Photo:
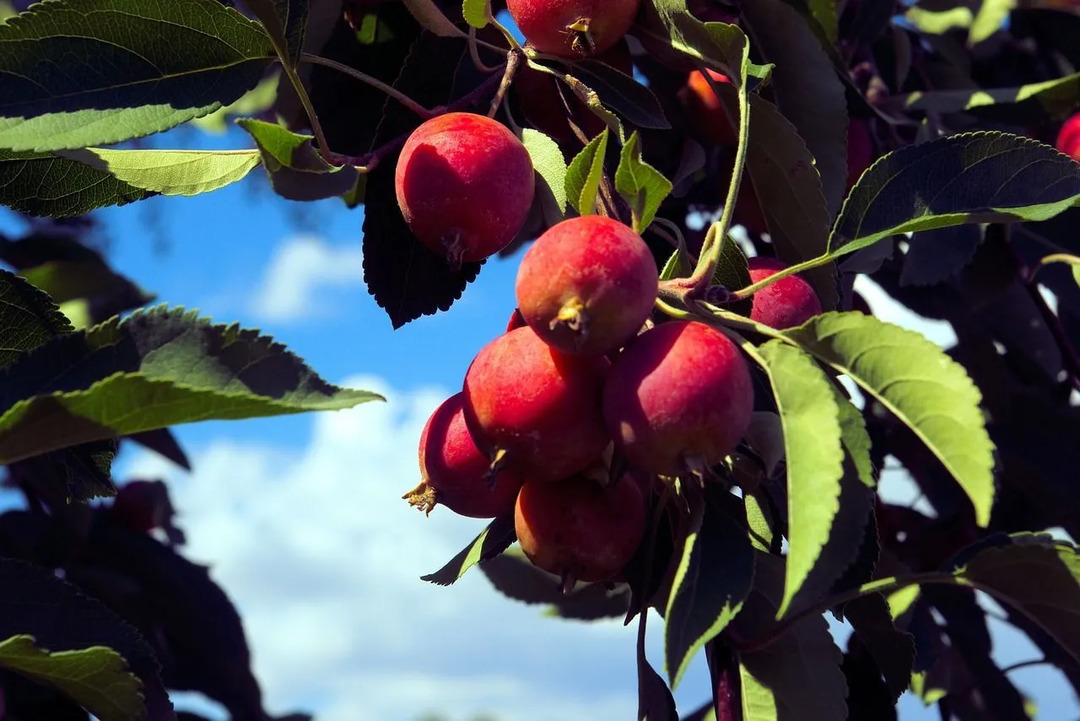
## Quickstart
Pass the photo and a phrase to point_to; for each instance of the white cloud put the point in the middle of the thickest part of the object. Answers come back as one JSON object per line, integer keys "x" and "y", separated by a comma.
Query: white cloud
{"x": 323, "y": 559}
{"x": 300, "y": 268}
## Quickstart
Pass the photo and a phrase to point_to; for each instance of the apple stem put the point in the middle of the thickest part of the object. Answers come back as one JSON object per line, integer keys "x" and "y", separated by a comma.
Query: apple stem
{"x": 373, "y": 82}
{"x": 513, "y": 62}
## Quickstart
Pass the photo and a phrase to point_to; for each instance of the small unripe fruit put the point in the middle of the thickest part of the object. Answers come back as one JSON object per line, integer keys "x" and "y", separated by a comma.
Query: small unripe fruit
{"x": 455, "y": 473}
{"x": 587, "y": 285}
{"x": 1068, "y": 139}
{"x": 678, "y": 398}
{"x": 788, "y": 302}
{"x": 578, "y": 529}
{"x": 533, "y": 409}
{"x": 464, "y": 184}
{"x": 573, "y": 28}
{"x": 704, "y": 110}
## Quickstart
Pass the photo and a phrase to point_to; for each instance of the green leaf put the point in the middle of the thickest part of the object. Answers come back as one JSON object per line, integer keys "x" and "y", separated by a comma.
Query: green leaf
{"x": 939, "y": 22}
{"x": 991, "y": 177}
{"x": 549, "y": 163}
{"x": 97, "y": 678}
{"x": 989, "y": 20}
{"x": 914, "y": 379}
{"x": 297, "y": 171}
{"x": 892, "y": 650}
{"x": 28, "y": 318}
{"x": 641, "y": 185}
{"x": 169, "y": 172}
{"x": 856, "y": 440}
{"x": 1039, "y": 577}
{"x": 156, "y": 368}
{"x": 815, "y": 459}
{"x": 1053, "y": 98}
{"x": 492, "y": 541}
{"x": 583, "y": 175}
{"x": 797, "y": 676}
{"x": 824, "y": 12}
{"x": 715, "y": 572}
{"x": 809, "y": 95}
{"x": 760, "y": 521}
{"x": 476, "y": 12}
{"x": 258, "y": 100}
{"x": 428, "y": 14}
{"x": 46, "y": 185}
{"x": 98, "y": 72}
{"x": 618, "y": 91}
{"x": 285, "y": 22}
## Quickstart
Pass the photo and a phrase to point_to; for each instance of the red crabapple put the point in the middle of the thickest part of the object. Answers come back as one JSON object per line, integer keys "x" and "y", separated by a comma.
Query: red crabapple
{"x": 534, "y": 409}
{"x": 579, "y": 529}
{"x": 453, "y": 471}
{"x": 786, "y": 303}
{"x": 1068, "y": 139}
{"x": 587, "y": 285}
{"x": 464, "y": 184}
{"x": 573, "y": 28}
{"x": 678, "y": 398}
{"x": 704, "y": 110}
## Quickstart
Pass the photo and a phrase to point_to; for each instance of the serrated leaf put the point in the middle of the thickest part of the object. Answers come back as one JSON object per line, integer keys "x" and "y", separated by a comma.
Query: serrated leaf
{"x": 655, "y": 702}
{"x": 169, "y": 172}
{"x": 924, "y": 388}
{"x": 815, "y": 459}
{"x": 618, "y": 91}
{"x": 991, "y": 177}
{"x": 154, "y": 369}
{"x": 936, "y": 255}
{"x": 715, "y": 572}
{"x": 476, "y": 12}
{"x": 759, "y": 521}
{"x": 28, "y": 318}
{"x": 797, "y": 676}
{"x": 893, "y": 650}
{"x": 492, "y": 541}
{"x": 285, "y": 22}
{"x": 549, "y": 162}
{"x": 807, "y": 91}
{"x": 297, "y": 171}
{"x": 1053, "y": 98}
{"x": 256, "y": 101}
{"x": 641, "y": 185}
{"x": 96, "y": 678}
{"x": 1039, "y": 577}
{"x": 46, "y": 185}
{"x": 824, "y": 13}
{"x": 428, "y": 14}
{"x": 583, "y": 175}
{"x": 98, "y": 72}
{"x": 514, "y": 576}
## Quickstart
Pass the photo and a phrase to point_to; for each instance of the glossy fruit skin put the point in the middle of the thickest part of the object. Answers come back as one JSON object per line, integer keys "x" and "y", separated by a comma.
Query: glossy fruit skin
{"x": 575, "y": 527}
{"x": 540, "y": 406}
{"x": 554, "y": 26}
{"x": 1068, "y": 139}
{"x": 455, "y": 473}
{"x": 464, "y": 184}
{"x": 679, "y": 392}
{"x": 704, "y": 110}
{"x": 788, "y": 302}
{"x": 587, "y": 285}
{"x": 860, "y": 150}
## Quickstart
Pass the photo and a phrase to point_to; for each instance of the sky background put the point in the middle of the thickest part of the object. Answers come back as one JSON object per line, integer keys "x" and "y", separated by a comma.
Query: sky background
{"x": 301, "y": 518}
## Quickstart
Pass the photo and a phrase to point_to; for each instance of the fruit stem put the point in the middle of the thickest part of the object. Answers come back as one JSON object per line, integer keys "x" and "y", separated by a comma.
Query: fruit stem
{"x": 474, "y": 54}
{"x": 749, "y": 290}
{"x": 513, "y": 62}
{"x": 373, "y": 82}
{"x": 309, "y": 110}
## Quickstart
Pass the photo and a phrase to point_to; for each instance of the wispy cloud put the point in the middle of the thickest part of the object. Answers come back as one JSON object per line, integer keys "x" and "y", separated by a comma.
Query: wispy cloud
{"x": 299, "y": 270}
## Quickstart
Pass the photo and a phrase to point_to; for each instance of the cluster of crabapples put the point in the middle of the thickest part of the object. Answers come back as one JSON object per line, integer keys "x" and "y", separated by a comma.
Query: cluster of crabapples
{"x": 568, "y": 418}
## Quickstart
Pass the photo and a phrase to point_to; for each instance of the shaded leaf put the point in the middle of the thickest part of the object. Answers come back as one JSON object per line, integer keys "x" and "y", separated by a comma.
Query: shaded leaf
{"x": 892, "y": 650}
{"x": 97, "y": 72}
{"x": 492, "y": 541}
{"x": 936, "y": 255}
{"x": 991, "y": 177}
{"x": 28, "y": 318}
{"x": 621, "y": 93}
{"x": 916, "y": 382}
{"x": 655, "y": 702}
{"x": 1050, "y": 98}
{"x": 808, "y": 412}
{"x": 285, "y": 22}
{"x": 641, "y": 185}
{"x": 46, "y": 185}
{"x": 96, "y": 677}
{"x": 713, "y": 576}
{"x": 257, "y": 101}
{"x": 514, "y": 576}
{"x": 164, "y": 443}
{"x": 296, "y": 170}
{"x": 583, "y": 175}
{"x": 156, "y": 368}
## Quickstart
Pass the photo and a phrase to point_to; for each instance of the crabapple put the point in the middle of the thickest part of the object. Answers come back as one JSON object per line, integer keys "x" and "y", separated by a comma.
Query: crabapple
{"x": 464, "y": 184}
{"x": 785, "y": 303}
{"x": 703, "y": 109}
{"x": 573, "y": 28}
{"x": 579, "y": 529}
{"x": 534, "y": 409}
{"x": 678, "y": 398}
{"x": 587, "y": 285}
{"x": 454, "y": 473}
{"x": 1068, "y": 139}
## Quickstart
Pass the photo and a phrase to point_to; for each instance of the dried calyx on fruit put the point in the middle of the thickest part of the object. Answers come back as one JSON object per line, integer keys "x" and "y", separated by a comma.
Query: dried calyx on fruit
{"x": 587, "y": 285}
{"x": 464, "y": 184}
{"x": 573, "y": 28}
{"x": 455, "y": 473}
